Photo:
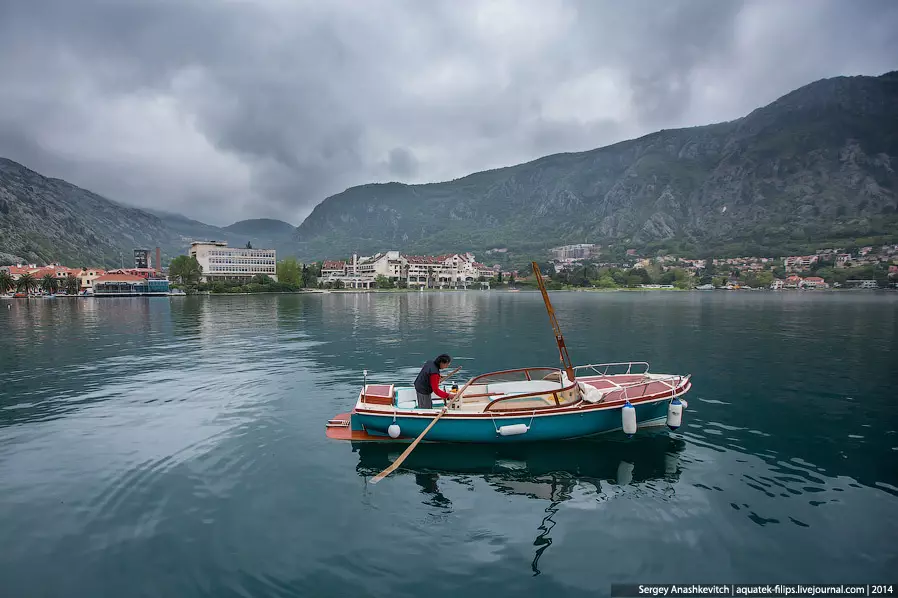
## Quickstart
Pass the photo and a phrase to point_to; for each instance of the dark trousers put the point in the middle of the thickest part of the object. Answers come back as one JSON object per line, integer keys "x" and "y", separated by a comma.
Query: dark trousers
{"x": 425, "y": 401}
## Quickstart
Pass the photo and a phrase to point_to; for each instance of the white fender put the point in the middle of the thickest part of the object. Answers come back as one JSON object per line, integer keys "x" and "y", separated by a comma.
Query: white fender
{"x": 394, "y": 431}
{"x": 674, "y": 414}
{"x": 628, "y": 418}
{"x": 513, "y": 429}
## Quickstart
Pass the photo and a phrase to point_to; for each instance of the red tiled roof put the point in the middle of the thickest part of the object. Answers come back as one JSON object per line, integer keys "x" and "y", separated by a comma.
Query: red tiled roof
{"x": 141, "y": 272}
{"x": 54, "y": 271}
{"x": 423, "y": 259}
{"x": 332, "y": 265}
{"x": 813, "y": 279}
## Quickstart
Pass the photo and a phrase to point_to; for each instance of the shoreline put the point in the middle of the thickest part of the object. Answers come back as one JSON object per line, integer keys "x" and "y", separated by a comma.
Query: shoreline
{"x": 524, "y": 290}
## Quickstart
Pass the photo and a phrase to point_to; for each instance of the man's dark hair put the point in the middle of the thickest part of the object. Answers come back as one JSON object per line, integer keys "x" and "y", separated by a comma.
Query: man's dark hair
{"x": 443, "y": 359}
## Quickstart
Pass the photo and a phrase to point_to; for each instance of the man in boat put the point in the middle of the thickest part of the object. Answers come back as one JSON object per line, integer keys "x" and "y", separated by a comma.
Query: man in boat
{"x": 428, "y": 382}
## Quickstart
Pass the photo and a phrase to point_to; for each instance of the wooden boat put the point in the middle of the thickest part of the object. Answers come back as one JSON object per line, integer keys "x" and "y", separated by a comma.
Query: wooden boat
{"x": 519, "y": 405}
{"x": 527, "y": 404}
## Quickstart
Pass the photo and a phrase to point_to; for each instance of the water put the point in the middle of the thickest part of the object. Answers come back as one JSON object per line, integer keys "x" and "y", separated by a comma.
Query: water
{"x": 175, "y": 447}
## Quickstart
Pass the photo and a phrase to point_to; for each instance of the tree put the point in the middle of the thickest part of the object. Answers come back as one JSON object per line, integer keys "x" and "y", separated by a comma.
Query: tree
{"x": 643, "y": 275}
{"x": 262, "y": 279}
{"x": 249, "y": 245}
{"x": 186, "y": 269}
{"x": 682, "y": 279}
{"x": 764, "y": 279}
{"x": 72, "y": 284}
{"x": 606, "y": 282}
{"x": 6, "y": 281}
{"x": 26, "y": 283}
{"x": 634, "y": 280}
{"x": 290, "y": 272}
{"x": 383, "y": 282}
{"x": 49, "y": 284}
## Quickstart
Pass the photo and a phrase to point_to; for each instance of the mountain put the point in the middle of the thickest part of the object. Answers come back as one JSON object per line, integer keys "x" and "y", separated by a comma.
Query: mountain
{"x": 262, "y": 227}
{"x": 817, "y": 165}
{"x": 46, "y": 220}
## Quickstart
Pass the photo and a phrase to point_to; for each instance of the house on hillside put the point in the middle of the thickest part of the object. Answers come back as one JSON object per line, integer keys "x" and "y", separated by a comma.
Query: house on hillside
{"x": 813, "y": 282}
{"x": 792, "y": 282}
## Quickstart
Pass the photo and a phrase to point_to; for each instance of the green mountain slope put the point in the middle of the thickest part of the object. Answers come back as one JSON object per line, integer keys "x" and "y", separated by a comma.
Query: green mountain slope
{"x": 817, "y": 165}
{"x": 44, "y": 220}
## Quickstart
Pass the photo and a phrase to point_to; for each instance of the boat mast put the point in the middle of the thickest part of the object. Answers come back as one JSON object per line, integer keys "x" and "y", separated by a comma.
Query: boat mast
{"x": 562, "y": 349}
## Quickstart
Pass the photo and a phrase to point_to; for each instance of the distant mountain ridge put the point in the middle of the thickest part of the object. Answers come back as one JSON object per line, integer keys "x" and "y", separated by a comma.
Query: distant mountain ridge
{"x": 818, "y": 163}
{"x": 45, "y": 220}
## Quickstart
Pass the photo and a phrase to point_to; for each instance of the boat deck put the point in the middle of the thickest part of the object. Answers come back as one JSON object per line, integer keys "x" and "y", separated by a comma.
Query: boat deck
{"x": 339, "y": 428}
{"x": 609, "y": 390}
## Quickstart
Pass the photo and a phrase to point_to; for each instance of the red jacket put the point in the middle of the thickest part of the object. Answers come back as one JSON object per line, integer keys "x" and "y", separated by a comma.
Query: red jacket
{"x": 435, "y": 385}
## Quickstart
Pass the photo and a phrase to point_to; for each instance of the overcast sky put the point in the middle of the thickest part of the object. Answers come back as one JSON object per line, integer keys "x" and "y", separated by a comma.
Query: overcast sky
{"x": 228, "y": 109}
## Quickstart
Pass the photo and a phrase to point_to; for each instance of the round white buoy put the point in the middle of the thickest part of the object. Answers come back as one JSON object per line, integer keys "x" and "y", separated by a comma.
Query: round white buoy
{"x": 628, "y": 418}
{"x": 393, "y": 431}
{"x": 675, "y": 414}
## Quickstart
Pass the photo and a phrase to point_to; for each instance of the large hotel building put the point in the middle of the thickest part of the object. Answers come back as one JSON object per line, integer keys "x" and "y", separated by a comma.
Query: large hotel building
{"x": 220, "y": 262}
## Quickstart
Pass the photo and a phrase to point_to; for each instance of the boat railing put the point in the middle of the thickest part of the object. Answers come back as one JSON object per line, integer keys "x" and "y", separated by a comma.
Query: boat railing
{"x": 630, "y": 389}
{"x": 602, "y": 368}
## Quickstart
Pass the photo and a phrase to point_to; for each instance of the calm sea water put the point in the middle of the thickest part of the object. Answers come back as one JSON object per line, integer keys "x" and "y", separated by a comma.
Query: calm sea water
{"x": 175, "y": 447}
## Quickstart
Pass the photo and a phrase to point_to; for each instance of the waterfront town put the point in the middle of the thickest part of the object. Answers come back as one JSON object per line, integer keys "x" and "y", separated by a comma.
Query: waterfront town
{"x": 213, "y": 266}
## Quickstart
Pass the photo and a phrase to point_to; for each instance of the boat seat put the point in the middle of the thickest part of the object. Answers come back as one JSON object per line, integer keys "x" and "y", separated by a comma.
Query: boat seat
{"x": 407, "y": 398}
{"x": 437, "y": 404}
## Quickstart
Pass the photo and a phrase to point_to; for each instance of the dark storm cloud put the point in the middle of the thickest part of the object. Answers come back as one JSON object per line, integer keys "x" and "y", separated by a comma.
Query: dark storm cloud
{"x": 227, "y": 110}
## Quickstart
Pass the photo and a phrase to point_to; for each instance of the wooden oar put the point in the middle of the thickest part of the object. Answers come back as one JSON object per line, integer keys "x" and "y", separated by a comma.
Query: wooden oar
{"x": 562, "y": 349}
{"x": 450, "y": 374}
{"x": 392, "y": 467}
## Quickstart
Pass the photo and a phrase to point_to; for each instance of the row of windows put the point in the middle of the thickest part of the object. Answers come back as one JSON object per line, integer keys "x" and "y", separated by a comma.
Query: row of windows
{"x": 243, "y": 253}
{"x": 224, "y": 260}
{"x": 264, "y": 269}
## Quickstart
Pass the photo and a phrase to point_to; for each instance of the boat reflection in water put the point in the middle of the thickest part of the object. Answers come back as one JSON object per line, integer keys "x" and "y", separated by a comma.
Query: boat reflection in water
{"x": 549, "y": 471}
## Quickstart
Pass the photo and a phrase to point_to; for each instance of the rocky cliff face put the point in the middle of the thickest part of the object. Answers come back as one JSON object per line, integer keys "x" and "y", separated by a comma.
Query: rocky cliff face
{"x": 816, "y": 165}
{"x": 46, "y": 220}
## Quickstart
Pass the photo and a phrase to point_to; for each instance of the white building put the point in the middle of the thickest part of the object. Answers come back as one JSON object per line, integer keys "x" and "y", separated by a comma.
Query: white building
{"x": 453, "y": 271}
{"x": 578, "y": 251}
{"x": 799, "y": 263}
{"x": 232, "y": 263}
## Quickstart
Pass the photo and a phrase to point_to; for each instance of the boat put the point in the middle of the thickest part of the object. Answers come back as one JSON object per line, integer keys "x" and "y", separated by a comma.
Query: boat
{"x": 526, "y": 404}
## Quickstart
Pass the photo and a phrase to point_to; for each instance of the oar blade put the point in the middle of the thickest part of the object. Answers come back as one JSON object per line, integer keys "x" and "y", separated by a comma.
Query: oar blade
{"x": 392, "y": 467}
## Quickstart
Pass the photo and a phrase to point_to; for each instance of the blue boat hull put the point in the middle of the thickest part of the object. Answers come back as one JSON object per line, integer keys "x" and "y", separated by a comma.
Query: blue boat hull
{"x": 561, "y": 426}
